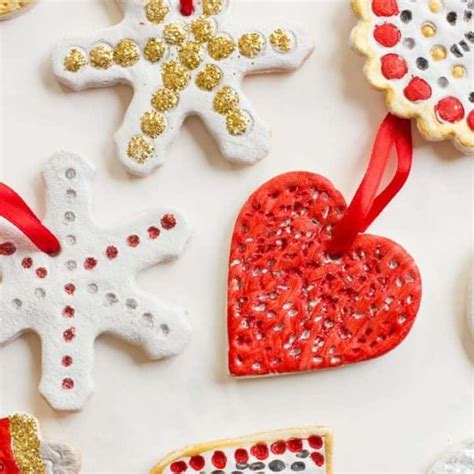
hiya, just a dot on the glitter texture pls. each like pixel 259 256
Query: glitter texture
pixel 7 7
pixel 459 460
pixel 175 76
pixel 74 61
pixel 226 100
pixel 26 444
pixel 126 53
pixel 281 41
pixel 164 99
pixel 251 45
pixel 154 50
pixel 209 77
pixel 174 33
pixel 237 122
pixel 140 149
pixel 101 56
pixel 212 7
pixel 153 124
pixel 202 29
pixel 156 11
pixel 191 54
pixel 220 47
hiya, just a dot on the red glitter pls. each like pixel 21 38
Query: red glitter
pixel 68 384
pixel 69 288
pixel 295 445
pixel 153 232
pixel 27 262
pixel 7 248
pixel 279 447
pixel 69 334
pixel 68 312
pixel 449 109
pixel 90 263
pixel 41 272
pixel 219 459
pixel 417 89
pixel 318 459
pixel 387 35
pixel 111 252
pixel 316 442
pixel 260 451
pixel 179 466
pixel 385 7
pixel 393 66
pixel 66 361
pixel 197 462
pixel 133 240
pixel 241 456
pixel 168 221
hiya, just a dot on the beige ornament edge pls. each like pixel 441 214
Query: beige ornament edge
pixel 22 7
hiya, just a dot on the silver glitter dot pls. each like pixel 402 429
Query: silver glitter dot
pixel 17 304
pixel 165 329
pixel 443 82
pixel 71 240
pixel 131 303
pixel 92 288
pixel 409 43
pixel 70 216
pixel 40 293
pixel 111 298
pixel 71 194
pixel 70 173
pixel 71 265
pixel 148 319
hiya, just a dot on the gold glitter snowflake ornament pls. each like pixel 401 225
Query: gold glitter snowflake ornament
pixel 11 8
pixel 179 66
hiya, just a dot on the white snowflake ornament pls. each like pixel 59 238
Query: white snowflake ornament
pixel 89 288
pixel 180 66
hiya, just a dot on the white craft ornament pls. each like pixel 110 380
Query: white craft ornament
pixel 89 288
pixel 59 458
pixel 459 459
pixel 179 66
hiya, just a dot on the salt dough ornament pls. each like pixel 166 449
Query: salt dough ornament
pixel 11 8
pixel 307 450
pixel 470 309
pixel 458 459
pixel 89 288
pixel 295 305
pixel 22 451
pixel 420 54
pixel 178 66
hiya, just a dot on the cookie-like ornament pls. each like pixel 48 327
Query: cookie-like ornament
pixel 88 288
pixel 307 450
pixel 179 66
pixel 421 54
pixel 11 8
pixel 458 459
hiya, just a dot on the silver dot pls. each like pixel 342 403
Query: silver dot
pixel 40 293
pixel 92 288
pixel 70 173
pixel 148 319
pixel 443 82
pixel 165 329
pixel 70 216
pixel 71 194
pixel 17 304
pixel 131 303
pixel 71 265
pixel 111 298
pixel 409 43
pixel 71 240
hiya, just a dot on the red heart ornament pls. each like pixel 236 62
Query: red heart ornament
pixel 293 307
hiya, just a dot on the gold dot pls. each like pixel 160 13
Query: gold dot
pixel 175 76
pixel 164 99
pixel 209 77
pixel 212 7
pixel 191 55
pixel 237 122
pixel 220 47
pixel 154 50
pixel 156 11
pixel 458 71
pixel 226 99
pixel 74 61
pixel 174 33
pixel 153 124
pixel 428 30
pixel 438 53
pixel 140 149
pixel 436 6
pixel 202 29
pixel 251 45
pixel 281 41
pixel 126 53
pixel 101 56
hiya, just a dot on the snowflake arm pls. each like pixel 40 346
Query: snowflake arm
pixel 12 322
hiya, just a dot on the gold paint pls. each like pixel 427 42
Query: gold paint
pixel 101 56
pixel 209 77
pixel 212 7
pixel 8 7
pixel 435 6
pixel 26 444
pixel 458 71
pixel 156 11
pixel 226 99
pixel 251 45
pixel 220 47
pixel 174 33
pixel 237 122
pixel 428 30
pixel 175 76
pixel 202 29
pixel 140 149
pixel 191 55
pixel 281 41
pixel 164 99
pixel 74 61
pixel 438 53
pixel 154 50
pixel 126 53
pixel 153 124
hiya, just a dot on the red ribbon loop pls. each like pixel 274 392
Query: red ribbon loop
pixel 15 210
pixel 366 206
pixel 187 7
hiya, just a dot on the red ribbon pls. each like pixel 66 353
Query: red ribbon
pixel 15 210
pixel 7 458
pixel 187 7
pixel 366 205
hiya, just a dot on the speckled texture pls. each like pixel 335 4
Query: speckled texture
pixel 458 459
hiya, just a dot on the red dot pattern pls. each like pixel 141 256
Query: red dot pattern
pixel 387 35
pixel 295 445
pixel 69 312
pixel 417 90
pixel 111 252
pixel 90 263
pixel 279 447
pixel 153 232
pixel 219 459
pixel 66 361
pixel 69 334
pixel 69 288
pixel 168 221
pixel 41 272
pixel 385 8
pixel 450 110
pixel 27 262
pixel 393 66
pixel 7 248
pixel 68 384
pixel 197 463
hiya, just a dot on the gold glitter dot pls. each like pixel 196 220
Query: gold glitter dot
pixel 190 54
pixel 220 47
pixel 175 76
pixel 428 30
pixel 154 50
pixel 26 444
pixel 174 33
pixel 140 149
pixel 458 71
pixel 156 11
pixel 101 56
pixel 126 53
pixel 436 6
pixel 281 41
pixel 202 29
pixel 251 45
pixel 438 53
pixel 212 7
pixel 153 124
pixel 226 99
pixel 74 61
pixel 164 99
pixel 237 122
pixel 209 77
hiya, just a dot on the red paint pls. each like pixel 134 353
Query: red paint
pixel 153 232
pixel 417 89
pixel 470 120
pixel 387 35
pixel 187 7
pixel 90 263
pixel 318 459
pixel 69 334
pixel 27 262
pixel 69 288
pixel 41 272
pixel 178 467
pixel 68 312
pixel 385 7
pixel 219 459
pixel 279 447
pixel 295 445
pixel 133 241
pixel 168 221
pixel 111 252
pixel 68 384
pixel 7 248
pixel 7 458
pixel 315 441
pixel 449 110
pixel 260 451
pixel 241 456
pixel 66 361
pixel 393 66
pixel 197 462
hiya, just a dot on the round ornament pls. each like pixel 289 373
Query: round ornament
pixel 11 8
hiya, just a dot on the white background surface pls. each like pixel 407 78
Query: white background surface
pixel 394 414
